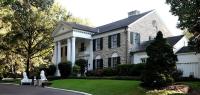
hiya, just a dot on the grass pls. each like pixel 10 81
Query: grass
pixel 193 85
pixel 101 87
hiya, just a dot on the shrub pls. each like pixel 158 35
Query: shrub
pixel 137 69
pixel 76 69
pixel 51 70
pixel 65 69
pixel 177 74
pixel 130 69
pixel 124 69
pixel 82 63
pixel 109 72
pixel 90 73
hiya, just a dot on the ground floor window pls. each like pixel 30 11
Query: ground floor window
pixel 113 62
pixel 98 64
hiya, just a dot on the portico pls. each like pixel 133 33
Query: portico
pixel 72 44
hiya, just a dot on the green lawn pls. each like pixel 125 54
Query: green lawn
pixel 101 87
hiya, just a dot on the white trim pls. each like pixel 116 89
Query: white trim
pixel 115 55
pixel 98 57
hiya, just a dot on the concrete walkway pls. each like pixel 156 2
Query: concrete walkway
pixel 10 89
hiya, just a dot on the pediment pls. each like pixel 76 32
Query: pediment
pixel 61 29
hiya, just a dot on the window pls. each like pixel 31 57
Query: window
pixel 82 48
pixel 61 51
pixel 143 60
pixel 114 60
pixel 65 50
pixel 98 43
pixel 113 41
pixel 98 63
pixel 135 38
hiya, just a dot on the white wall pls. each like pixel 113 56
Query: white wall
pixel 137 57
pixel 188 63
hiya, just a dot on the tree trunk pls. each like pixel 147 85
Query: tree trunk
pixel 27 66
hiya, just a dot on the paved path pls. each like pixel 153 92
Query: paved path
pixel 9 89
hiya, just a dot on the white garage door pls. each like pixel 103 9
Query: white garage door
pixel 189 69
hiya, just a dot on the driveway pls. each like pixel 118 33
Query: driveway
pixel 9 89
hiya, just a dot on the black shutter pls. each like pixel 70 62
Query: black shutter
pixel 131 37
pixel 101 63
pixel 118 40
pixel 94 65
pixel 118 61
pixel 109 62
pixel 109 41
pixel 101 43
pixel 94 44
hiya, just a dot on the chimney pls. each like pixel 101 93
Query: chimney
pixel 132 13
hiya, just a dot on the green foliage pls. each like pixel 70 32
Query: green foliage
pixel 51 70
pixel 109 72
pixel 125 69
pixel 161 63
pixel 82 63
pixel 65 69
pixel 27 26
pixel 188 13
pixel 130 69
pixel 76 69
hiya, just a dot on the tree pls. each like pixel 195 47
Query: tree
pixel 28 25
pixel 189 18
pixel 161 63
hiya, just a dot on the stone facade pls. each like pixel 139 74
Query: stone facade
pixel 106 52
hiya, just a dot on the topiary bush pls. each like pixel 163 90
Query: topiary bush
pixel 82 63
pixel 51 70
pixel 137 69
pixel 65 69
pixel 161 63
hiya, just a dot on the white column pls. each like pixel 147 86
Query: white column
pixel 91 56
pixel 58 57
pixel 73 53
pixel 69 49
pixel 54 54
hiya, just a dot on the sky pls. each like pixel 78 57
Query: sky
pixel 101 12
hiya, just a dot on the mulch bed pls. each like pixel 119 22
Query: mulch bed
pixel 179 88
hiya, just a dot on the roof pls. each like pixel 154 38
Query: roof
pixel 81 27
pixel 171 40
pixel 121 23
pixel 108 27
pixel 185 49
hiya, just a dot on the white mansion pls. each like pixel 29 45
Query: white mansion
pixel 120 42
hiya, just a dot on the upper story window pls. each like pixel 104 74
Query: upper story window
pixel 98 44
pixel 135 38
pixel 114 41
